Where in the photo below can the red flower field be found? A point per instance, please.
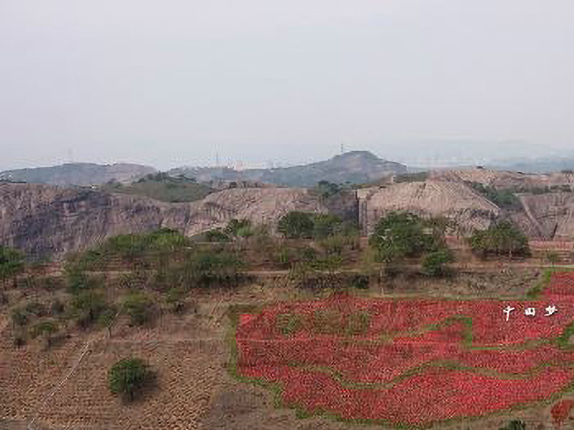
(411, 362)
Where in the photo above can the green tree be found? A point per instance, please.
(11, 263)
(435, 263)
(296, 225)
(502, 238)
(402, 234)
(128, 376)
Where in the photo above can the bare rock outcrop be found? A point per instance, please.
(453, 200)
(503, 179)
(547, 216)
(51, 220)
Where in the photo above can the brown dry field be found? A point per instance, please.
(53, 389)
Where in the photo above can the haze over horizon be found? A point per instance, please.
(171, 84)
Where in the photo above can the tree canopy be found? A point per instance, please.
(402, 234)
(502, 238)
(128, 376)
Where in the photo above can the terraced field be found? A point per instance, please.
(411, 362)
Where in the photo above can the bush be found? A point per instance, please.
(296, 225)
(514, 425)
(434, 264)
(19, 317)
(11, 263)
(44, 329)
(139, 307)
(325, 225)
(216, 235)
(128, 376)
(175, 299)
(87, 307)
(106, 319)
(237, 228)
(77, 280)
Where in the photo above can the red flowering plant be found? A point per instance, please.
(411, 362)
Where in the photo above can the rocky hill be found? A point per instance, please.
(78, 174)
(53, 220)
(355, 167)
(455, 201)
(502, 179)
(49, 220)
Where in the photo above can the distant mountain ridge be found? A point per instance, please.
(537, 165)
(355, 167)
(83, 174)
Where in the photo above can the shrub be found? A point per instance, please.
(295, 225)
(358, 323)
(235, 227)
(44, 329)
(434, 264)
(552, 257)
(19, 317)
(87, 307)
(139, 307)
(333, 245)
(11, 263)
(325, 225)
(216, 235)
(504, 199)
(77, 280)
(288, 324)
(411, 177)
(106, 319)
(514, 425)
(35, 308)
(175, 299)
(128, 376)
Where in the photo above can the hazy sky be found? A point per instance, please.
(171, 82)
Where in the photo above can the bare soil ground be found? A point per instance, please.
(190, 353)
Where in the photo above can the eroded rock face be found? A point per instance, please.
(455, 201)
(503, 179)
(547, 216)
(49, 220)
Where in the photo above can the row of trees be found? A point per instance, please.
(401, 235)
